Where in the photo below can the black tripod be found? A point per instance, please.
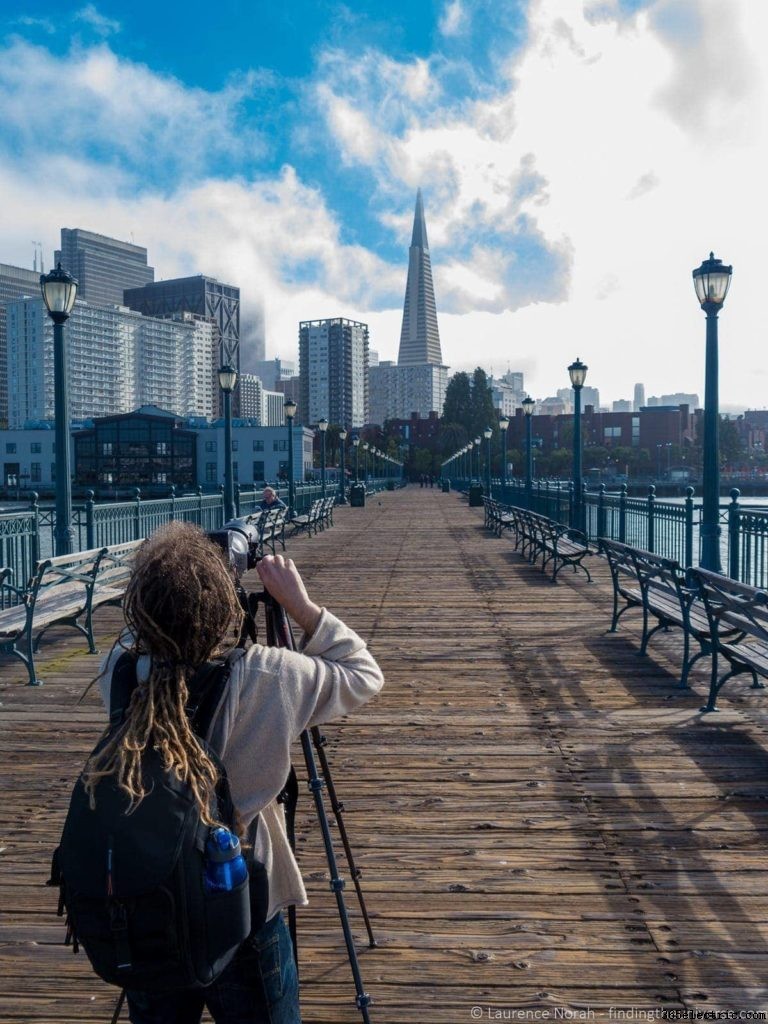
(280, 634)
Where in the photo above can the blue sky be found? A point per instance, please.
(563, 146)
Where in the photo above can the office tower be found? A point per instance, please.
(290, 389)
(419, 335)
(251, 388)
(397, 392)
(507, 392)
(118, 361)
(205, 297)
(590, 396)
(14, 282)
(272, 370)
(333, 371)
(639, 398)
(622, 405)
(104, 267)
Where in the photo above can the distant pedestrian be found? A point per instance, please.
(270, 500)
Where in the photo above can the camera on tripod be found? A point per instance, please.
(239, 540)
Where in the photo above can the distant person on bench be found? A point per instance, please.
(271, 500)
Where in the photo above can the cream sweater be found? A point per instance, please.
(274, 694)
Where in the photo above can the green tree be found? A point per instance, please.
(452, 437)
(483, 413)
(458, 401)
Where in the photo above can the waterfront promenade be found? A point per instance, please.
(544, 821)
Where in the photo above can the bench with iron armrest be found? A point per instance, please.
(59, 593)
(561, 546)
(310, 520)
(326, 512)
(115, 571)
(658, 587)
(271, 526)
(738, 622)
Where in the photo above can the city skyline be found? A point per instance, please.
(578, 161)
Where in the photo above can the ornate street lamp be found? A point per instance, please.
(59, 292)
(528, 406)
(365, 463)
(342, 468)
(289, 408)
(479, 460)
(488, 434)
(356, 446)
(322, 426)
(227, 382)
(578, 374)
(711, 281)
(503, 425)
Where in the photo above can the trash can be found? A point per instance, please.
(446, 486)
(475, 495)
(390, 485)
(357, 495)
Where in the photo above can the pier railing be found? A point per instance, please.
(668, 528)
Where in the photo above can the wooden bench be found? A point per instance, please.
(536, 535)
(115, 570)
(658, 587)
(271, 527)
(738, 622)
(310, 520)
(59, 593)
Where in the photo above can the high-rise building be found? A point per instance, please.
(272, 370)
(418, 382)
(639, 398)
(205, 297)
(507, 392)
(251, 388)
(419, 335)
(333, 371)
(104, 267)
(622, 405)
(290, 389)
(118, 360)
(14, 282)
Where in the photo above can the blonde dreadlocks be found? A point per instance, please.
(180, 606)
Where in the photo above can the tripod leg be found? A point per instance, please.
(363, 1000)
(337, 807)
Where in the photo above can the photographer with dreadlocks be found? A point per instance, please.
(182, 610)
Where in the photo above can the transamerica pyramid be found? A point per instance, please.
(419, 336)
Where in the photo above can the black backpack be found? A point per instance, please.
(133, 884)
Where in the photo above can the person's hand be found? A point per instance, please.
(281, 578)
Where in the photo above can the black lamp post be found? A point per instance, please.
(528, 406)
(365, 464)
(488, 434)
(289, 408)
(711, 281)
(322, 426)
(356, 446)
(503, 425)
(578, 374)
(227, 382)
(478, 442)
(342, 488)
(59, 292)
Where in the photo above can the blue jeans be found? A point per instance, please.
(260, 986)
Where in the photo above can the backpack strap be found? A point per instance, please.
(205, 691)
(121, 687)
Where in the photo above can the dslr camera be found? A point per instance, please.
(239, 540)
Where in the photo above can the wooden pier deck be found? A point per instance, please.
(548, 828)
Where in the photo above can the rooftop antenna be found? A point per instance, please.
(37, 245)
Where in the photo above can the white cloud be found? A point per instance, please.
(100, 23)
(453, 19)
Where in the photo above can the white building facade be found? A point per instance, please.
(395, 392)
(117, 360)
(333, 371)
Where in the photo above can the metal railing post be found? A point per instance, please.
(35, 509)
(558, 512)
(688, 527)
(601, 511)
(734, 516)
(90, 532)
(137, 514)
(623, 514)
(237, 500)
(173, 502)
(651, 522)
(199, 505)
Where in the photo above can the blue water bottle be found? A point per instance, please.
(225, 866)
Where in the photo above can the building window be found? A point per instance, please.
(258, 471)
(235, 471)
(107, 448)
(279, 446)
(162, 448)
(258, 446)
(235, 445)
(210, 472)
(35, 447)
(35, 472)
(10, 448)
(612, 432)
(210, 446)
